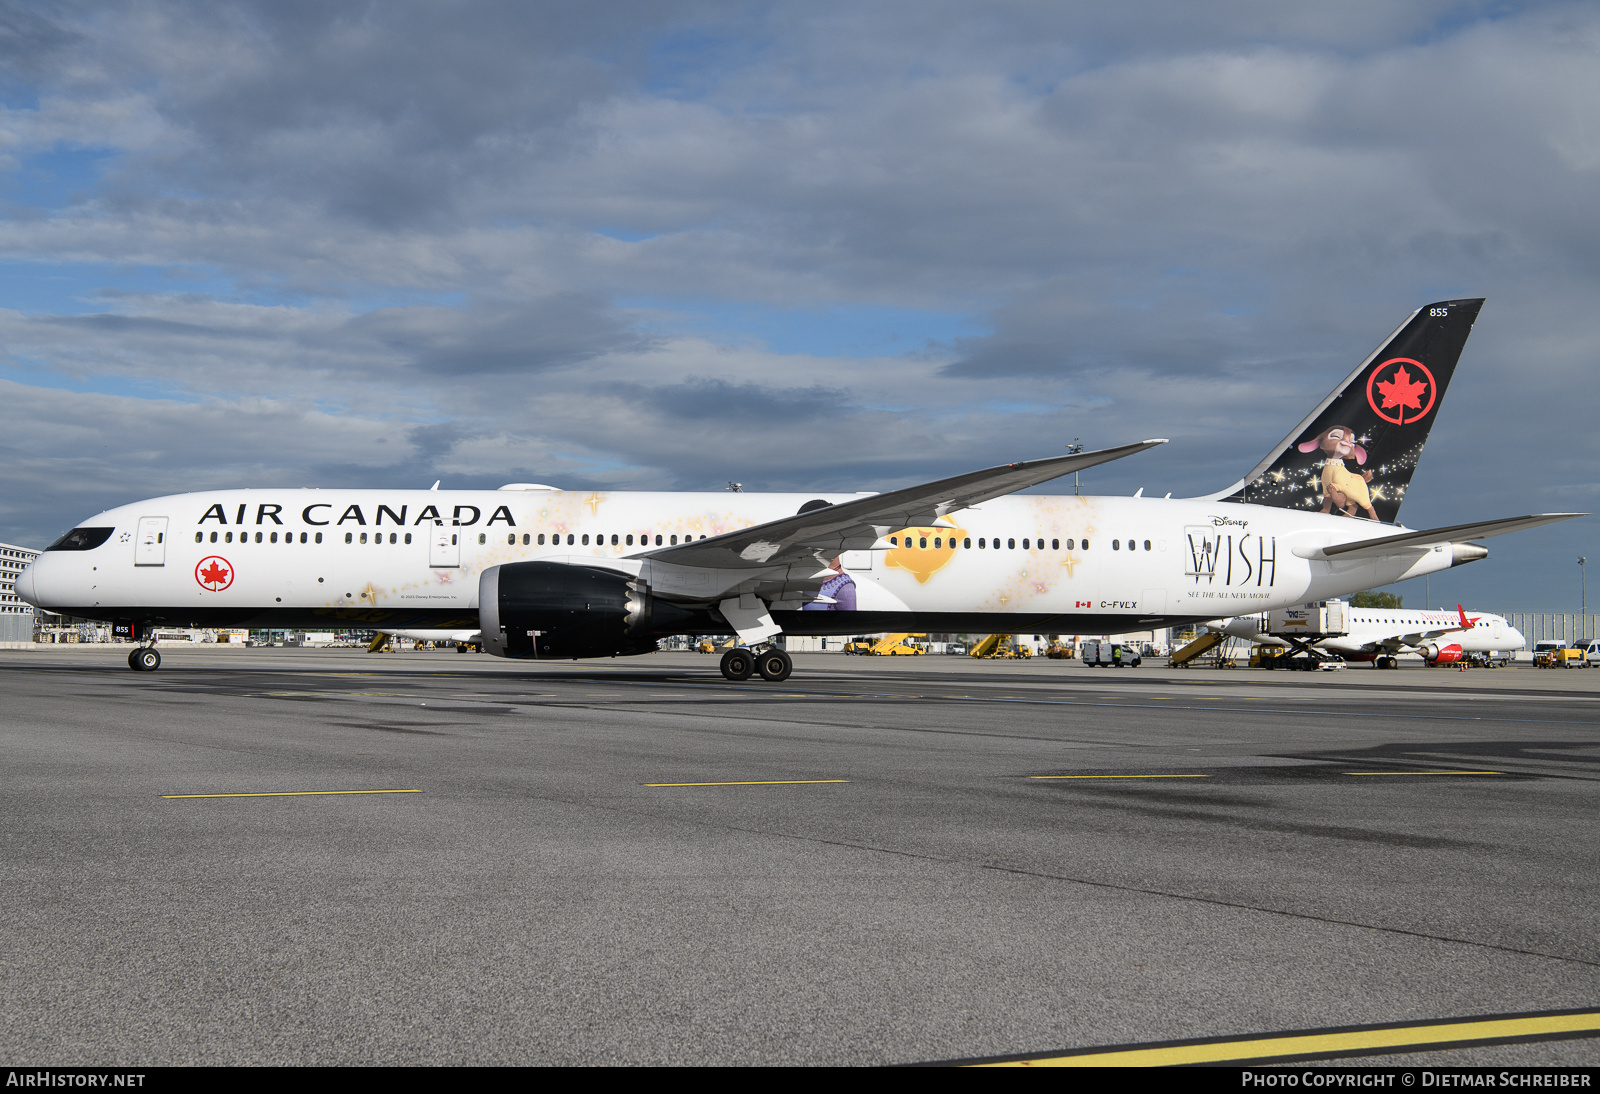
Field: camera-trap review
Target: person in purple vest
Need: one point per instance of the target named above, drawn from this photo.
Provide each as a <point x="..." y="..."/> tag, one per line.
<point x="838" y="593"/>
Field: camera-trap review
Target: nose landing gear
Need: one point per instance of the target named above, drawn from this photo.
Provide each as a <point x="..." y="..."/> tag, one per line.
<point x="739" y="664"/>
<point x="144" y="659"/>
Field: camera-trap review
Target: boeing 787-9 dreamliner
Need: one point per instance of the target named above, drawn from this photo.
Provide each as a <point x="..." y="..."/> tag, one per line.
<point x="543" y="572"/>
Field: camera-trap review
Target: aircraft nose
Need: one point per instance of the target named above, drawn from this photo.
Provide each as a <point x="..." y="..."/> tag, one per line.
<point x="23" y="586"/>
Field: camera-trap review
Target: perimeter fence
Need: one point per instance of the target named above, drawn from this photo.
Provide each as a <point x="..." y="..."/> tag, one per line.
<point x="1540" y="626"/>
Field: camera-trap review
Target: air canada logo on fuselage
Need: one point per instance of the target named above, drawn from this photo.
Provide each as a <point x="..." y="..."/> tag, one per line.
<point x="214" y="573"/>
<point x="1398" y="394"/>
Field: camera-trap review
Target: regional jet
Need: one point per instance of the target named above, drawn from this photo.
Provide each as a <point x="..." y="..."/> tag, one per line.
<point x="547" y="573"/>
<point x="1379" y="635"/>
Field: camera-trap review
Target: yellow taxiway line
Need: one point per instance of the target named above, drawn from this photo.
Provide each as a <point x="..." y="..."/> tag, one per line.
<point x="1327" y="1043"/>
<point x="291" y="793"/>
<point x="763" y="782"/>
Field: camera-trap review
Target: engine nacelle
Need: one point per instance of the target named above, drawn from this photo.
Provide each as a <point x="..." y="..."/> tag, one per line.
<point x="1435" y="654"/>
<point x="552" y="609"/>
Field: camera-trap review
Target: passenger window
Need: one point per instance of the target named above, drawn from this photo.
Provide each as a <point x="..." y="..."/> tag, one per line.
<point x="570" y="538"/>
<point x="1085" y="545"/>
<point x="349" y="537"/>
<point x="198" y="536"/>
<point x="319" y="537"/>
<point x="273" y="538"/>
<point x="895" y="540"/>
<point x="1055" y="545"/>
<point x="258" y="537"/>
<point x="483" y="537"/>
<point x="1069" y="545"/>
<point x="1011" y="545"/>
<point x="936" y="543"/>
<point x="363" y="537"/>
<point x="1116" y="545"/>
<point x="213" y="537"/>
<point x="408" y="537"/>
<point x="1146" y="545"/>
<point x="527" y="539"/>
<point x="1024" y="545"/>
<point x="967" y="543"/>
<point x="674" y="541"/>
<point x="630" y="541"/>
<point x="980" y="543"/>
<point x="585" y="539"/>
<point x="614" y="539"/>
<point x="511" y="539"/>
<point x="541" y="539"/>
<point x="922" y="541"/>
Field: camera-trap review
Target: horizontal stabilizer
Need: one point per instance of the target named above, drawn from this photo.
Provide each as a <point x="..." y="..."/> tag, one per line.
<point x="1456" y="533"/>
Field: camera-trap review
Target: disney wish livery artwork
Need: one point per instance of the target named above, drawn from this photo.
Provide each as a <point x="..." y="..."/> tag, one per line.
<point x="838" y="593"/>
<point x="1357" y="452"/>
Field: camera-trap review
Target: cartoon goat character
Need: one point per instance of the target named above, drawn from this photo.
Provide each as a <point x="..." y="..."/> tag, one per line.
<point x="1342" y="487"/>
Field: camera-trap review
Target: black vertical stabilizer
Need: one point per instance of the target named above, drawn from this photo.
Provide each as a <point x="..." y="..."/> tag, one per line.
<point x="1356" y="452"/>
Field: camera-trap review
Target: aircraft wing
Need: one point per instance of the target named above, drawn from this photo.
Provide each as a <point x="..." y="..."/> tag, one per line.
<point x="1455" y="533"/>
<point x="822" y="534"/>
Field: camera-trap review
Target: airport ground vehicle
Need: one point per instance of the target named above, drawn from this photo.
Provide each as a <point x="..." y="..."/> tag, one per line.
<point x="543" y="573"/>
<point x="1003" y="646"/>
<point x="1102" y="654"/>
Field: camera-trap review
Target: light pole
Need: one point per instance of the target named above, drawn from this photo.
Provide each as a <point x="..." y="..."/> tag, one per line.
<point x="1583" y="581"/>
<point x="1072" y="450"/>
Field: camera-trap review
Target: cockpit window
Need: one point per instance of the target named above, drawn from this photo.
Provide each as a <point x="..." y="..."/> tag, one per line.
<point x="81" y="539"/>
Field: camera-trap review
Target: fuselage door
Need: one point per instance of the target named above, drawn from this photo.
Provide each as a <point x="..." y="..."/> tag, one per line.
<point x="150" y="545"/>
<point x="445" y="548"/>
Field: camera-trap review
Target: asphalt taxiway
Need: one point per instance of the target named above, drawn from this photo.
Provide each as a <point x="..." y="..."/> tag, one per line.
<point x="284" y="856"/>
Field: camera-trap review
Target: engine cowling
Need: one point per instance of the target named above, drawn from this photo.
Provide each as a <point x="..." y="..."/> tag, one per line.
<point x="1435" y="654"/>
<point x="557" y="610"/>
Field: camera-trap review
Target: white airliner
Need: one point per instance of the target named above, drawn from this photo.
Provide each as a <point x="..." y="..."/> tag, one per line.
<point x="548" y="573"/>
<point x="1379" y="634"/>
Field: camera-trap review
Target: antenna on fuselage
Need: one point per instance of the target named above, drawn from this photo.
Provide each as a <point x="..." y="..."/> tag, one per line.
<point x="1072" y="450"/>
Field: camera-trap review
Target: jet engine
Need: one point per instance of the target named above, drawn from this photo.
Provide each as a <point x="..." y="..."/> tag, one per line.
<point x="557" y="610"/>
<point x="1435" y="654"/>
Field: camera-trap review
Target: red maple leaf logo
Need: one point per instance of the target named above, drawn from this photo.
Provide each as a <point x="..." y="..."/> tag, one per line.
<point x="214" y="573"/>
<point x="1402" y="390"/>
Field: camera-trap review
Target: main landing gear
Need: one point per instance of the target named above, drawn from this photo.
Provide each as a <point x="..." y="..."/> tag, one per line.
<point x="144" y="659"/>
<point x="739" y="664"/>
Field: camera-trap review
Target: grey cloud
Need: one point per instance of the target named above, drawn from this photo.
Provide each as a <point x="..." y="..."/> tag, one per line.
<point x="525" y="336"/>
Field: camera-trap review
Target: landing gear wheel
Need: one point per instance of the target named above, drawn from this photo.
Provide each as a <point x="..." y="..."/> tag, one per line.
<point x="774" y="665"/>
<point x="738" y="664"/>
<point x="144" y="659"/>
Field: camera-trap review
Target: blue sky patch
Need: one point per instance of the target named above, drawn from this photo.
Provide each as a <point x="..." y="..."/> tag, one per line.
<point x="841" y="331"/>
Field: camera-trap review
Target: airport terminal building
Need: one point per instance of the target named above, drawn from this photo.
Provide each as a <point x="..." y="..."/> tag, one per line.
<point x="16" y="617"/>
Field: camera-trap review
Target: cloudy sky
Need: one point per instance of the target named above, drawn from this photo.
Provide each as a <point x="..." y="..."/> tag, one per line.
<point x="804" y="246"/>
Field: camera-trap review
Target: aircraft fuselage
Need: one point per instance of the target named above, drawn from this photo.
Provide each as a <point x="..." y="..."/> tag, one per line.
<point x="395" y="558"/>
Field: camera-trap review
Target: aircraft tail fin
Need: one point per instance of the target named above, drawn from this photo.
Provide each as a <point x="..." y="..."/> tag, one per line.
<point x="1355" y="453"/>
